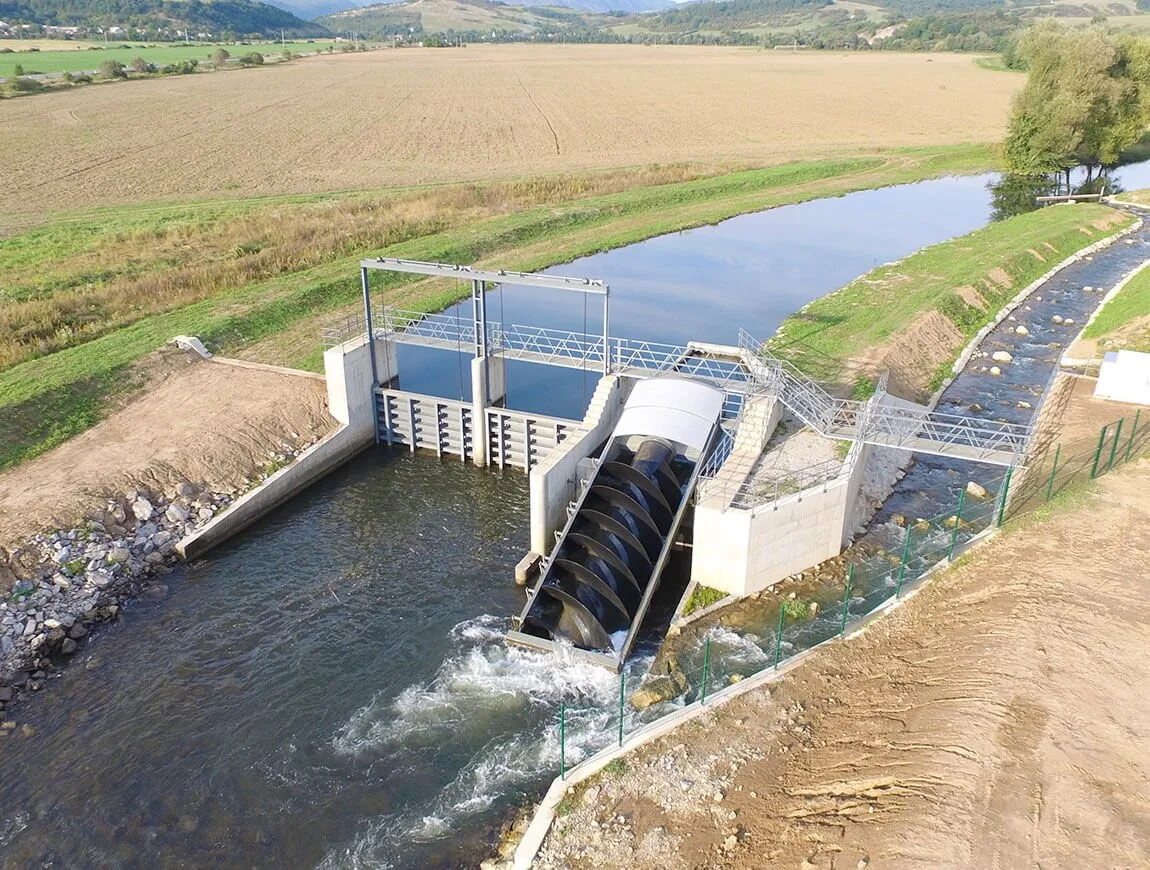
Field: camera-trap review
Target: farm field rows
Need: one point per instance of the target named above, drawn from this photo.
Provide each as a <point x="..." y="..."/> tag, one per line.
<point x="86" y="60"/>
<point x="424" y="116"/>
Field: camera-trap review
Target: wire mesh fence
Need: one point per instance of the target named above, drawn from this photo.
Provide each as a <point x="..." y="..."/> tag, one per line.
<point x="722" y="657"/>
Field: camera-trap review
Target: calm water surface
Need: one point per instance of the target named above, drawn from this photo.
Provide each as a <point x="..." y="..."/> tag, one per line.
<point x="331" y="688"/>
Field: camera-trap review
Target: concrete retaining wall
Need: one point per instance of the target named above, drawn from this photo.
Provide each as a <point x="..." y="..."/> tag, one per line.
<point x="315" y="462"/>
<point x="553" y="481"/>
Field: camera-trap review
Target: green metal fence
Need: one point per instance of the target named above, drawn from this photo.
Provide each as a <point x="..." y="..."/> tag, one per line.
<point x="872" y="580"/>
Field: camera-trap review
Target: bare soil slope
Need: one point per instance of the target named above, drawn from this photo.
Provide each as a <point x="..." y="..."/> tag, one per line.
<point x="209" y="423"/>
<point x="999" y="719"/>
<point x="418" y="116"/>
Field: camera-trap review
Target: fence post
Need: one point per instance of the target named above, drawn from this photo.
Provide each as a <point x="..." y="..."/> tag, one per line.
<point x="1004" y="495"/>
<point x="1053" y="471"/>
<point x="847" y="599"/>
<point x="622" y="696"/>
<point x="1098" y="451"/>
<point x="562" y="740"/>
<point x="706" y="669"/>
<point x="1133" y="432"/>
<point x="902" y="562"/>
<point x="1114" y="447"/>
<point x="957" y="525"/>
<point x="779" y="635"/>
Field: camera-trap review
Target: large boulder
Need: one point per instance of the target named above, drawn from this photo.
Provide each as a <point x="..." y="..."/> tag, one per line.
<point x="142" y="509"/>
<point x="670" y="683"/>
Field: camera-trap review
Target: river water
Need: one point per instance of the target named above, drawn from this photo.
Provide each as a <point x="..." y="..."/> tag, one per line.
<point x="331" y="688"/>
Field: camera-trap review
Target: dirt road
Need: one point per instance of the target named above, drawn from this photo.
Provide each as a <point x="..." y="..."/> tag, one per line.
<point x="1000" y="719"/>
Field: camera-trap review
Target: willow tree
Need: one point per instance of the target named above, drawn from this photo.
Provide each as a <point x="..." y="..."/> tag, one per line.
<point x="1086" y="100"/>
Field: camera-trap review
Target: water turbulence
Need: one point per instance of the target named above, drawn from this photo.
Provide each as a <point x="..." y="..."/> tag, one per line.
<point x="600" y="579"/>
<point x="494" y="703"/>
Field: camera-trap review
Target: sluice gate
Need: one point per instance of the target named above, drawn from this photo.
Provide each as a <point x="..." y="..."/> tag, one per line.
<point x="597" y="584"/>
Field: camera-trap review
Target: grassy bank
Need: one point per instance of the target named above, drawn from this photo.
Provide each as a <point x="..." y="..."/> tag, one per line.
<point x="947" y="292"/>
<point x="86" y="296"/>
<point x="1123" y="323"/>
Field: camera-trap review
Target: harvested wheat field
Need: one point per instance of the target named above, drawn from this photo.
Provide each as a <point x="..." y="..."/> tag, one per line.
<point x="999" y="719"/>
<point x="394" y="117"/>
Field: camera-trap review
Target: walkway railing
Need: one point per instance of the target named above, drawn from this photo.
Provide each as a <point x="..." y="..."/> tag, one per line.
<point x="745" y="369"/>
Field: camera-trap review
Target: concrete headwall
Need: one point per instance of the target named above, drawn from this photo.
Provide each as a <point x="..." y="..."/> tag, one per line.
<point x="553" y="482"/>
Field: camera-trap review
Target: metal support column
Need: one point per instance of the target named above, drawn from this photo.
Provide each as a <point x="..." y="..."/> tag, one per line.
<point x="606" y="334"/>
<point x="365" y="285"/>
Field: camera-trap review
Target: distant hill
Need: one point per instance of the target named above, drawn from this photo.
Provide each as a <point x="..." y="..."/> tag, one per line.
<point x="241" y="17"/>
<point x="312" y="9"/>
<point x="907" y="25"/>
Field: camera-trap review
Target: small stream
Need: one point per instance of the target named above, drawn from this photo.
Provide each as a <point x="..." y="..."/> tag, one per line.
<point x="331" y="689"/>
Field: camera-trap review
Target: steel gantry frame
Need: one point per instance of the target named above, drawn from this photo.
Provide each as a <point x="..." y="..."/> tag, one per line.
<point x="480" y="279"/>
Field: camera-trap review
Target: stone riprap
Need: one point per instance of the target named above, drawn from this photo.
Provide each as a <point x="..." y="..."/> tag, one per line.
<point x="55" y="586"/>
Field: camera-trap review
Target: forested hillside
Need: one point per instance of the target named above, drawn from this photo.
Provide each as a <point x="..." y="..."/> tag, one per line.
<point x="215" y="16"/>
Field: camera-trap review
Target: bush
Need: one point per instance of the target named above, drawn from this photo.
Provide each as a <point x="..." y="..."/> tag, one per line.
<point x="139" y="65"/>
<point x="220" y="57"/>
<point x="290" y="55"/>
<point x="112" y="69"/>
<point x="183" y="68"/>
<point x="19" y="70"/>
<point x="25" y="86"/>
<point x="252" y="58"/>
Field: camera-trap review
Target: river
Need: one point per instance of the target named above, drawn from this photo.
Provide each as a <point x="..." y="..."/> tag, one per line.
<point x="331" y="688"/>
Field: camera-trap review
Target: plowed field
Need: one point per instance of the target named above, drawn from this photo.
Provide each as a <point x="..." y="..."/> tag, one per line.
<point x="433" y="115"/>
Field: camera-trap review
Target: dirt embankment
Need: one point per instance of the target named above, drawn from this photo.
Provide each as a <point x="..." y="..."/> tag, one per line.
<point x="215" y="425"/>
<point x="998" y="719"/>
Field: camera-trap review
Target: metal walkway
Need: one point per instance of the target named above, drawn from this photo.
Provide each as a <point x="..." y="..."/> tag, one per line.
<point x="741" y="371"/>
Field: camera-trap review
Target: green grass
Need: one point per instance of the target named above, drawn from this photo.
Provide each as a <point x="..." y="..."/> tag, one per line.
<point x="701" y="598"/>
<point x="82" y="60"/>
<point x="1128" y="312"/>
<point x="869" y="312"/>
<point x="46" y="400"/>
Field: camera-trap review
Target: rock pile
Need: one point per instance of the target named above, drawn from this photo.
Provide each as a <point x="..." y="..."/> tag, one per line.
<point x="64" y="582"/>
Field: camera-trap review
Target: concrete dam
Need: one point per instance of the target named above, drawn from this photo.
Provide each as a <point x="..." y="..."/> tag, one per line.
<point x="671" y="456"/>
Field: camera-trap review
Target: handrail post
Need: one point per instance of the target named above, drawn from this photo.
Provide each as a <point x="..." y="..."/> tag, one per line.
<point x="779" y="635"/>
<point x="1114" y="447"/>
<point x="562" y="740"/>
<point x="957" y="525"/>
<point x="1004" y="495"/>
<point x="1133" y="432"/>
<point x="706" y="669"/>
<point x="622" y="696"/>
<point x="1053" y="472"/>
<point x="1098" y="451"/>
<point x="847" y="599"/>
<point x="902" y="562"/>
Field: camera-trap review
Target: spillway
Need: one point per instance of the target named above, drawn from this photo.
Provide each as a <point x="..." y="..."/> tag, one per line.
<point x="595" y="587"/>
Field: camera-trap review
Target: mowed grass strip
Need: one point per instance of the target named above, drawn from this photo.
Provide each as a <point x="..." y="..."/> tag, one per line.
<point x="991" y="264"/>
<point x="47" y="399"/>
